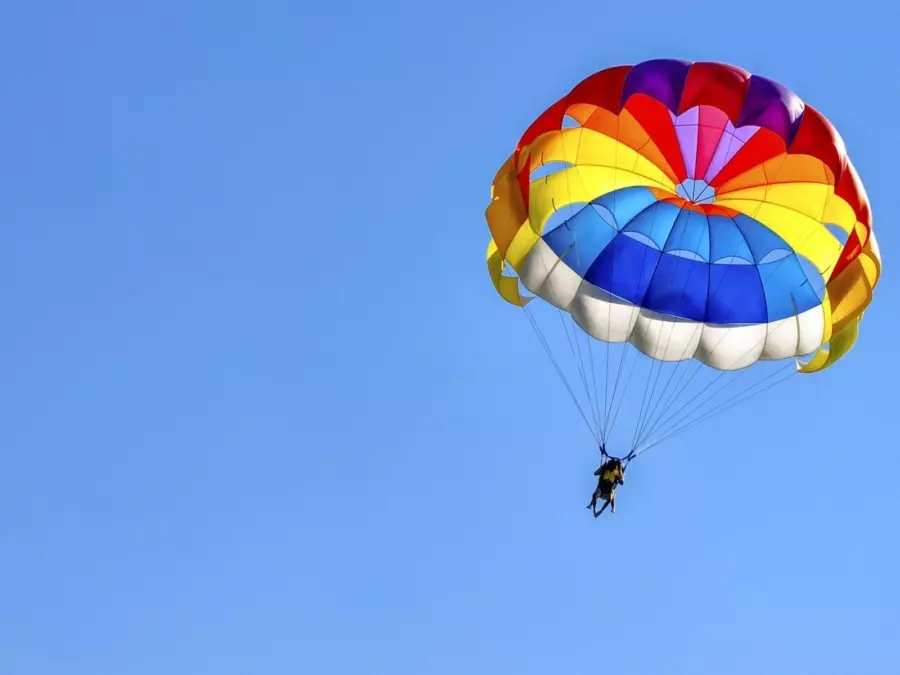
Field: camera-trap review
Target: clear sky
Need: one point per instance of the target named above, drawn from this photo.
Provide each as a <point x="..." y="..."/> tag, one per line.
<point x="263" y="413"/>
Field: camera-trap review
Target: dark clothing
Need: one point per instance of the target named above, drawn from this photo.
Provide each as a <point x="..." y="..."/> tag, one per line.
<point x="610" y="475"/>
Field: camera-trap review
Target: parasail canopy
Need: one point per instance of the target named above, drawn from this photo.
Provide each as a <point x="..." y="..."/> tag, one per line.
<point x="693" y="211"/>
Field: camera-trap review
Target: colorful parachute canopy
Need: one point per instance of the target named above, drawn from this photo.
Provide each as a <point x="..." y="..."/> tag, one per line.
<point x="691" y="200"/>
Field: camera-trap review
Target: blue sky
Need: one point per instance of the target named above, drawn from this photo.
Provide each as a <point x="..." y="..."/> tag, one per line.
<point x="264" y="414"/>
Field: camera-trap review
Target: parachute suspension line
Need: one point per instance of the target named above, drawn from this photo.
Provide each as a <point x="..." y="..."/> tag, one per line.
<point x="578" y="355"/>
<point x="599" y="415"/>
<point x="652" y="364"/>
<point x="601" y="420"/>
<point x="699" y="367"/>
<point x="574" y="348"/>
<point x="721" y="374"/>
<point x="626" y="349"/>
<point x="575" y="345"/>
<point x="606" y="416"/>
<point x="592" y="402"/>
<point x="653" y="423"/>
<point x="722" y="407"/>
<point x="562" y="377"/>
<point x="607" y="406"/>
<point x="772" y="269"/>
<point x="646" y="400"/>
<point x="648" y="411"/>
<point x="677" y="390"/>
<point x="674" y="416"/>
<point x="790" y="368"/>
<point x="652" y="418"/>
<point x="678" y="420"/>
<point x="662" y="422"/>
<point x="611" y="417"/>
<point x="608" y="402"/>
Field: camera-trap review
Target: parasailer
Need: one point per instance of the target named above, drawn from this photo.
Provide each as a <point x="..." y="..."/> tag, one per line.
<point x="610" y="475"/>
<point x="689" y="213"/>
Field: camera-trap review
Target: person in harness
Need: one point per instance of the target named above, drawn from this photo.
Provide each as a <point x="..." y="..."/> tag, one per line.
<point x="610" y="475"/>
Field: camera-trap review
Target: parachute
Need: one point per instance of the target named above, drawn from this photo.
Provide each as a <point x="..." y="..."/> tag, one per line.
<point x="682" y="219"/>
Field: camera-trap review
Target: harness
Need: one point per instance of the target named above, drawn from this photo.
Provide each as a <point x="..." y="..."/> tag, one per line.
<point x="610" y="475"/>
